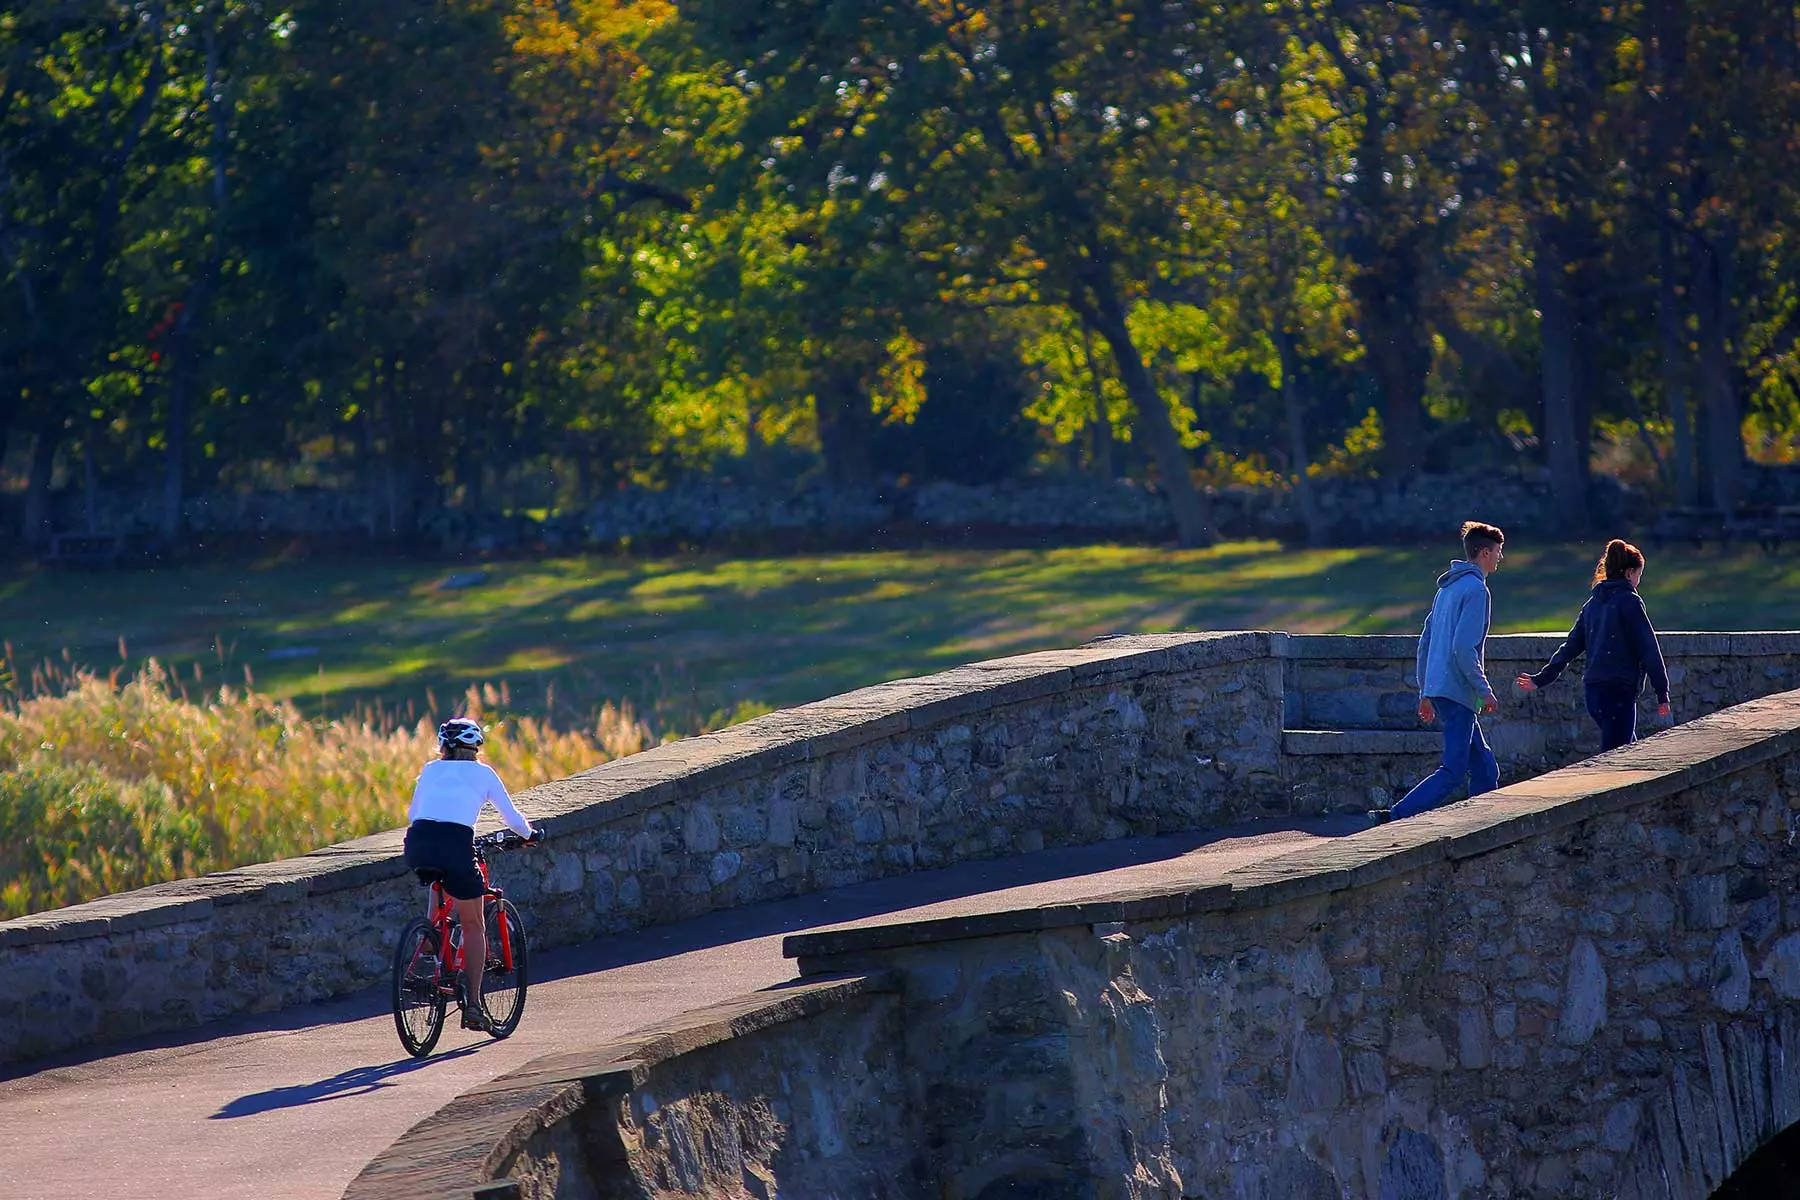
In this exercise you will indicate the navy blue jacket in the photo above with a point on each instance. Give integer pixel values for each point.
(1614, 631)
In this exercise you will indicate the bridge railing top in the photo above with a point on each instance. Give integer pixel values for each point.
(1675, 760)
(675, 772)
(1675, 644)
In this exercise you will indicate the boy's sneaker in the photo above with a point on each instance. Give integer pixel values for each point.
(1380, 816)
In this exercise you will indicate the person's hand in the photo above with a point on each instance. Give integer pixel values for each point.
(1662, 710)
(1526, 683)
(1490, 704)
(1427, 710)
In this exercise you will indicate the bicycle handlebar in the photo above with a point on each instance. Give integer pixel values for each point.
(506, 839)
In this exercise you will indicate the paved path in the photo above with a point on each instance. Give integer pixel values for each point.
(293, 1104)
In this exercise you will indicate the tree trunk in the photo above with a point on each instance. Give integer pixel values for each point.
(34, 530)
(1100, 435)
(1563, 444)
(181, 367)
(846, 426)
(755, 454)
(1298, 459)
(1672, 339)
(184, 361)
(1193, 523)
(1399, 355)
(90, 480)
(1718, 391)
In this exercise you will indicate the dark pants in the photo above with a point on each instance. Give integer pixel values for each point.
(1614, 708)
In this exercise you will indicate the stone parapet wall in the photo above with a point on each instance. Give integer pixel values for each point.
(1129, 736)
(795, 1091)
(1587, 984)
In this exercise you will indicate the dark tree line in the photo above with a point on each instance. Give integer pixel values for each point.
(487, 254)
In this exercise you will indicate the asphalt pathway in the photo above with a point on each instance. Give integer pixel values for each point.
(291, 1105)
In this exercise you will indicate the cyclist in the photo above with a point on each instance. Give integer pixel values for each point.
(440, 841)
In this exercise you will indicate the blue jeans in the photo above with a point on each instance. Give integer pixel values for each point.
(1466, 757)
(1614, 709)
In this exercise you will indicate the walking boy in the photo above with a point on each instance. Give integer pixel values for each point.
(1453, 681)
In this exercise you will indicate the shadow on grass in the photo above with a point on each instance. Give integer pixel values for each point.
(702, 634)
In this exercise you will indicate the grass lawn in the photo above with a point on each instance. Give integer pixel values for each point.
(684, 638)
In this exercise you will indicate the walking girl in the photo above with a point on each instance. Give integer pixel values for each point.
(1614, 632)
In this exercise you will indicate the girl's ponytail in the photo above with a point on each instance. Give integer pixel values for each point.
(1619, 557)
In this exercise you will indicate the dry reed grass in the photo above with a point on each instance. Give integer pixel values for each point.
(110, 782)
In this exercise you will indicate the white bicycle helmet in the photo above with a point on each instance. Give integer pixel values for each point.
(460, 731)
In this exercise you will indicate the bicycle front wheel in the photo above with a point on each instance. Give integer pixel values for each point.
(418, 1000)
(504, 976)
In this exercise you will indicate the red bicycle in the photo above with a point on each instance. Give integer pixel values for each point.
(428, 962)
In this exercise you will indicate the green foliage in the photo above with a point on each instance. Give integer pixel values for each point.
(70, 832)
(499, 254)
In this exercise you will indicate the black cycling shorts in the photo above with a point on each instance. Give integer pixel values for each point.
(444, 851)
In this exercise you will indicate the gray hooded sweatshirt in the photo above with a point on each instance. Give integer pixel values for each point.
(1451, 647)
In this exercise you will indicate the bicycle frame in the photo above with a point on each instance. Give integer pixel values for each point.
(443, 915)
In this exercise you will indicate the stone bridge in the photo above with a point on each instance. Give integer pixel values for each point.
(1585, 984)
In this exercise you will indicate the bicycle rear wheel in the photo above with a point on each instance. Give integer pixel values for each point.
(418, 1001)
(502, 982)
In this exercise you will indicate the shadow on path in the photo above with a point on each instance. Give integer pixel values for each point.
(355, 1082)
(768, 919)
(897, 893)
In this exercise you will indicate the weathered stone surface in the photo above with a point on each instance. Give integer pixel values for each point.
(1413, 1168)
(1782, 967)
(1730, 973)
(1584, 995)
(1556, 1015)
(1317, 1086)
(1129, 735)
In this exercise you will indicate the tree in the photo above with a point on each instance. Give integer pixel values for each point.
(1029, 145)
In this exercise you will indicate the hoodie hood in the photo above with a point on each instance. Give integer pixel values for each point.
(1459, 570)
(1606, 589)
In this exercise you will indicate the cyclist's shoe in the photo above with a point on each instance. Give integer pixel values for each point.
(1380, 816)
(476, 1018)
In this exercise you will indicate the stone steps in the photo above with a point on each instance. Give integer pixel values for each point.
(1352, 770)
(1361, 741)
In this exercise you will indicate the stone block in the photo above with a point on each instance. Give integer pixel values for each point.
(1730, 973)
(1316, 1083)
(1703, 902)
(1584, 995)
(1416, 1045)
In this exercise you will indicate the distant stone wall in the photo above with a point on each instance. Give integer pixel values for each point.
(1128, 736)
(1354, 511)
(724, 513)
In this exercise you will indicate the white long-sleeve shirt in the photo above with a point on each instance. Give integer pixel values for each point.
(454, 790)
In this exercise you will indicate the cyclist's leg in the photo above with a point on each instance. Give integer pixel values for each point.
(474, 943)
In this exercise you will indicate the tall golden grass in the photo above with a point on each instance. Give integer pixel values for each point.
(114, 782)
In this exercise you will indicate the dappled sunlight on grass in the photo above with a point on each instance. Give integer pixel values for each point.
(718, 631)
